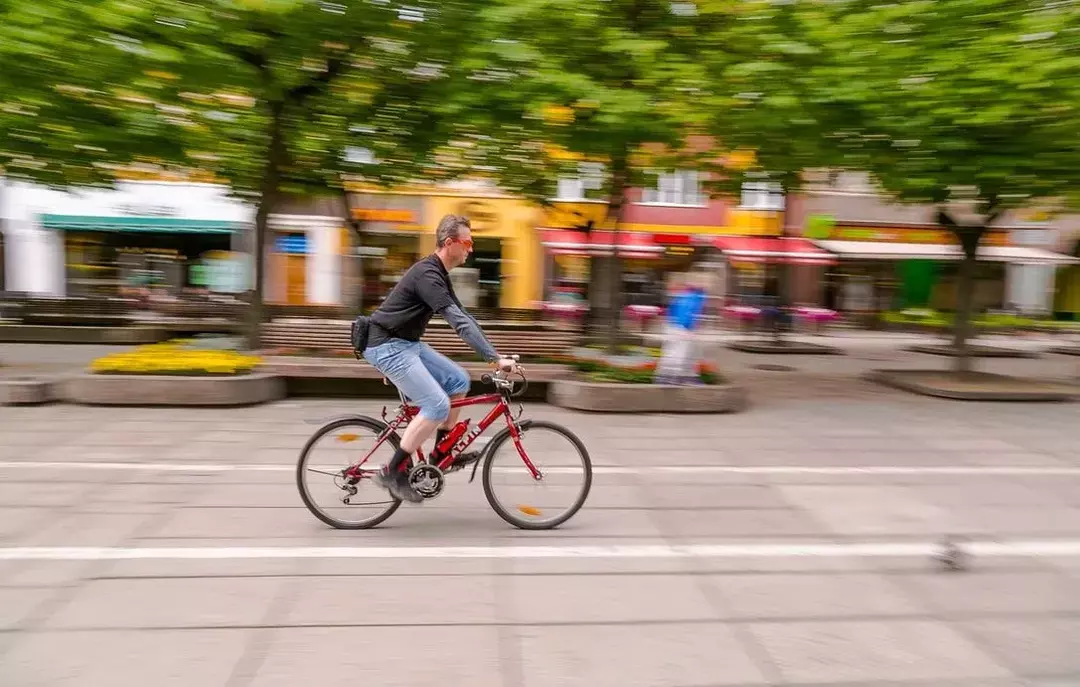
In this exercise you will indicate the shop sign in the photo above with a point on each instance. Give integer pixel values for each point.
(568, 215)
(291, 244)
(221, 272)
(384, 215)
(481, 215)
(137, 210)
(909, 235)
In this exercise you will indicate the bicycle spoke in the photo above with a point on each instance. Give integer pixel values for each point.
(532, 503)
(337, 449)
(324, 472)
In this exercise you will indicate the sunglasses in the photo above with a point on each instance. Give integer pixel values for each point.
(465, 242)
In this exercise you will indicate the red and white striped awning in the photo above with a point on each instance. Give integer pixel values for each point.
(791, 250)
(632, 244)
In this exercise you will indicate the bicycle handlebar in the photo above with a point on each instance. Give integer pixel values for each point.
(500, 379)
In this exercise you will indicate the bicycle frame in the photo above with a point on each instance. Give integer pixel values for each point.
(408, 411)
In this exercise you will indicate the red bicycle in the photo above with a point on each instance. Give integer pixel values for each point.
(524, 487)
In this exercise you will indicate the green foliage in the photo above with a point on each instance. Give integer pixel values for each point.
(770, 94)
(550, 83)
(974, 100)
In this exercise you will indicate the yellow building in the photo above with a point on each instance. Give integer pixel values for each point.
(507, 255)
(399, 228)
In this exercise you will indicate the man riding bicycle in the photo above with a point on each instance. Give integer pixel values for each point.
(425, 376)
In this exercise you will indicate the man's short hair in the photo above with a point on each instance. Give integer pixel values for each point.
(449, 228)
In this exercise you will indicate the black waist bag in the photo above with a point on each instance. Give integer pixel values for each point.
(361, 328)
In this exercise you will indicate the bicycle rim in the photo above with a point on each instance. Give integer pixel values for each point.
(322, 485)
(528, 503)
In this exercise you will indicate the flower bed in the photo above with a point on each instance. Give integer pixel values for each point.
(633, 365)
(176, 358)
(934, 319)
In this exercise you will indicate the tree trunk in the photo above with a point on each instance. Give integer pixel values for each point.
(275, 157)
(965, 296)
(619, 182)
(783, 301)
(352, 272)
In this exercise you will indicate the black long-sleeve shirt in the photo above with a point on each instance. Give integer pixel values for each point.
(425, 289)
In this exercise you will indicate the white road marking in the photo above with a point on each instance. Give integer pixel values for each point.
(834, 470)
(1049, 548)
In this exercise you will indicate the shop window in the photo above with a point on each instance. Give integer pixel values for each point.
(680, 187)
(761, 195)
(586, 185)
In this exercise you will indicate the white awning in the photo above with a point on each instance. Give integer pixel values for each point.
(1025, 256)
(881, 250)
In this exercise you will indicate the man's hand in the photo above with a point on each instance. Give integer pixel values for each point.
(506, 364)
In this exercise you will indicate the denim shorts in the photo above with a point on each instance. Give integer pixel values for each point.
(426, 377)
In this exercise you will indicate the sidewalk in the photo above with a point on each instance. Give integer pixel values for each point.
(790, 545)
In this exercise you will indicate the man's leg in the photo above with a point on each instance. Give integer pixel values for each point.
(400, 362)
(663, 367)
(453, 379)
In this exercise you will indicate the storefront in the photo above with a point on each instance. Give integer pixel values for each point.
(504, 270)
(137, 237)
(897, 267)
(756, 264)
(392, 236)
(127, 256)
(657, 243)
(306, 262)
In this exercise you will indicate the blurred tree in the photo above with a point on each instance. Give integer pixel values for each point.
(275, 96)
(548, 84)
(972, 105)
(67, 115)
(770, 104)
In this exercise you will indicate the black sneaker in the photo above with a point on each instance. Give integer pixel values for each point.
(397, 484)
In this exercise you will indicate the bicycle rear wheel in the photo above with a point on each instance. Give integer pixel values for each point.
(530, 504)
(331, 496)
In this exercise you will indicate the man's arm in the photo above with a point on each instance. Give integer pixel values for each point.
(470, 332)
(434, 291)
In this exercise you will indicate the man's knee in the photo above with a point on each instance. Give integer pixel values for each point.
(437, 408)
(459, 382)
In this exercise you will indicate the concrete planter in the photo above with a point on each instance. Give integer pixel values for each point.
(19, 391)
(154, 390)
(976, 350)
(783, 347)
(974, 386)
(47, 334)
(610, 397)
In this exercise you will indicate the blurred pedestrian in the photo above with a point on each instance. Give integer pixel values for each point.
(679, 356)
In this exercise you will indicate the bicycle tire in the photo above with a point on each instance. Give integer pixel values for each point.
(364, 421)
(521, 523)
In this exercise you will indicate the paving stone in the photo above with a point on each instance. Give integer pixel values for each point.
(607, 598)
(619, 655)
(168, 603)
(403, 656)
(411, 600)
(996, 592)
(123, 659)
(819, 652)
(1031, 646)
(808, 596)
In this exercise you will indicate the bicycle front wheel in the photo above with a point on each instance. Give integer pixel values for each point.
(538, 504)
(341, 501)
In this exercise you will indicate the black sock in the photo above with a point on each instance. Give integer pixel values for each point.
(400, 456)
(440, 434)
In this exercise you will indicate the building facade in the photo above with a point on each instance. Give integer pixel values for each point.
(900, 255)
(170, 238)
